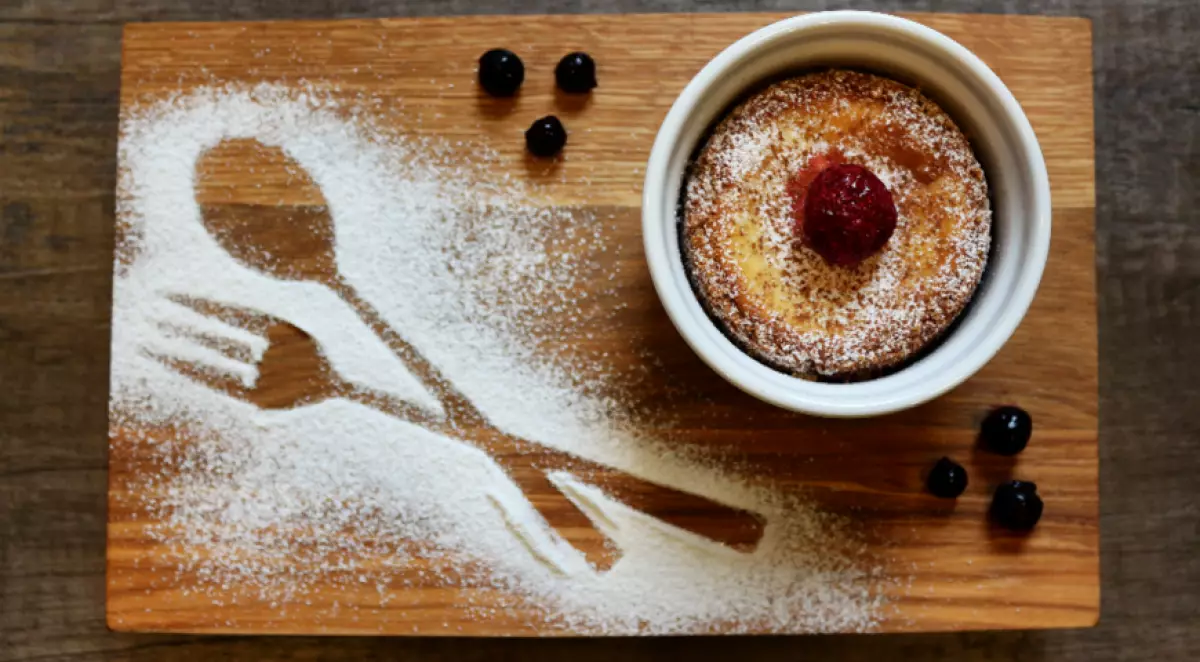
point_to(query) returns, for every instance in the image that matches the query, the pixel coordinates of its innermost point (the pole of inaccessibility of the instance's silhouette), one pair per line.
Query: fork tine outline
(231, 348)
(239, 346)
(205, 374)
(247, 320)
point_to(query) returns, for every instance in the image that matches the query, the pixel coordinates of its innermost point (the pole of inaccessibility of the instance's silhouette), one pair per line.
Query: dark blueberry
(576, 73)
(1016, 505)
(947, 479)
(501, 72)
(1006, 430)
(546, 136)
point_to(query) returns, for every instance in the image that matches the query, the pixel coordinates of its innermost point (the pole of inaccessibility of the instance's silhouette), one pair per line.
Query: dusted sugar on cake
(777, 297)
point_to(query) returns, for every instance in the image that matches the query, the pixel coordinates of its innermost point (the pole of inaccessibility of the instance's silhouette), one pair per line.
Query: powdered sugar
(777, 296)
(264, 506)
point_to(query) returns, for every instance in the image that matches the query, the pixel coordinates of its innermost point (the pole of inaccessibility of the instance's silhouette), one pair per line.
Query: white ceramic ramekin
(979, 103)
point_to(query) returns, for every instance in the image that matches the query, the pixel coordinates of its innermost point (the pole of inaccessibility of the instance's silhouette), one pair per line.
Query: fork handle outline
(464, 421)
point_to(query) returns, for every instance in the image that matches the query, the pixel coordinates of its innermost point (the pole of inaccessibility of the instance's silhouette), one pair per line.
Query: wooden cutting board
(958, 573)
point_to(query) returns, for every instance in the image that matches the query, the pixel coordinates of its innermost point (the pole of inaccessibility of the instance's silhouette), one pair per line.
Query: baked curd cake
(835, 224)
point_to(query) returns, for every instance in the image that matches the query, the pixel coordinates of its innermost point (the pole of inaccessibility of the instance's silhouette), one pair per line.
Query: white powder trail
(456, 259)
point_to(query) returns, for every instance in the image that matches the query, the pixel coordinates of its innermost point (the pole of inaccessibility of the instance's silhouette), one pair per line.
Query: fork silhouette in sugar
(294, 371)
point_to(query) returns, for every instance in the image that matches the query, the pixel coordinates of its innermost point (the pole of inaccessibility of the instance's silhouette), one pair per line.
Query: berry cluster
(1015, 504)
(501, 73)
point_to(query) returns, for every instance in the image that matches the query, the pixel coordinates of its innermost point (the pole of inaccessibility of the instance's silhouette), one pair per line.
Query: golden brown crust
(779, 299)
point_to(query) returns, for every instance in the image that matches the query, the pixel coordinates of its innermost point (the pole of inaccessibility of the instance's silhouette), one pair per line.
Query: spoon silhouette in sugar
(277, 222)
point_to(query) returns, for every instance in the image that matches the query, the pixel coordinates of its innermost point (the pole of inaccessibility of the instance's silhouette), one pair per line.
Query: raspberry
(848, 214)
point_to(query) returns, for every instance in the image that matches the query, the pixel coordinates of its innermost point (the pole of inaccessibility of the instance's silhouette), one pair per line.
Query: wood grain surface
(59, 90)
(956, 572)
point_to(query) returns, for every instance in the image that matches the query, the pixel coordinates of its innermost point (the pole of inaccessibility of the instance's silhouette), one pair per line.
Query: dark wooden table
(59, 65)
